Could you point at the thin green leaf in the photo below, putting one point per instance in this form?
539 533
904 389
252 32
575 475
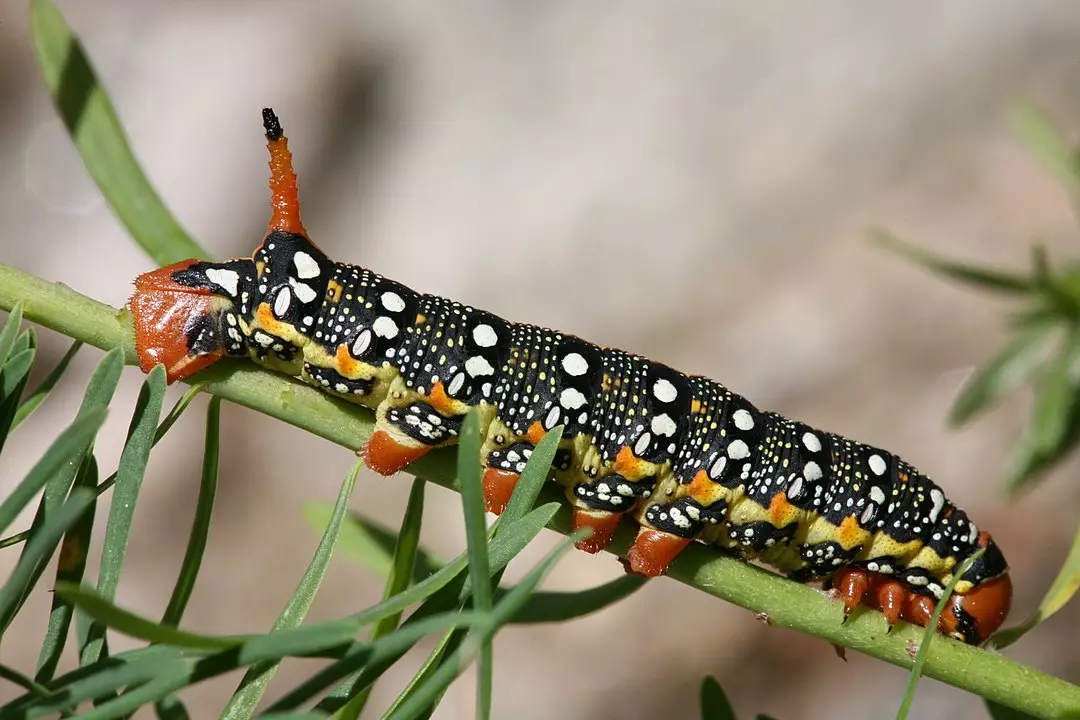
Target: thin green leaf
1013 366
98 136
1061 591
714 702
1054 421
986 278
449 643
100 684
401 573
14 676
478 638
929 634
1000 712
166 425
252 687
451 592
41 392
10 331
1047 145
368 543
200 524
171 708
129 477
547 607
536 472
69 445
13 378
15 539
105 612
15 371
41 546
73 550
156 676
469 472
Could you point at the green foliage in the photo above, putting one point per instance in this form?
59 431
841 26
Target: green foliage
462 601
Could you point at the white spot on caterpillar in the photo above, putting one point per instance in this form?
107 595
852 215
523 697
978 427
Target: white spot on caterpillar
812 442
662 424
717 468
552 418
478 366
743 419
306 267
868 514
304 293
795 488
877 495
385 327
664 391
642 444
227 279
484 335
737 450
571 399
456 384
361 343
812 471
575 365
877 464
282 301
392 301
938 499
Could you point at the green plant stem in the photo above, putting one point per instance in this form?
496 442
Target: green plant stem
784 603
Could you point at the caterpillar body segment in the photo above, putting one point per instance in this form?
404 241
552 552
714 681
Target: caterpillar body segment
683 456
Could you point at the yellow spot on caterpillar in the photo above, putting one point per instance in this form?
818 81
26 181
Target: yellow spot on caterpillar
421 318
333 291
695 406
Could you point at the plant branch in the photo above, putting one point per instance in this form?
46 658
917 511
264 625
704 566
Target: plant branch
778 601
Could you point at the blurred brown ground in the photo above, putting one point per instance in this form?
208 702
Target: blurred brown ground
690 181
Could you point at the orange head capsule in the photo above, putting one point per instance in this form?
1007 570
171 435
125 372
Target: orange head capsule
177 312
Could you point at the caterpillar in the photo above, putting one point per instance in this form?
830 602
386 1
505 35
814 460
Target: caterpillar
684 456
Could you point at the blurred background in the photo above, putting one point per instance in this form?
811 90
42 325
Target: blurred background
691 181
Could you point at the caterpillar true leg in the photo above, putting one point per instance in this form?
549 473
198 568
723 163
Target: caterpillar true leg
683 456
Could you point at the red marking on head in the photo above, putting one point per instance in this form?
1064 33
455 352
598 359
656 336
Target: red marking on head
986 605
603 526
284 194
653 551
386 456
162 310
498 487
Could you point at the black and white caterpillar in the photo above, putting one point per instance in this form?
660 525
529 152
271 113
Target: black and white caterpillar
682 455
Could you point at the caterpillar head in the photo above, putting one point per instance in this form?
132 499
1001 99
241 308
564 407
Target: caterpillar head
976 614
185 315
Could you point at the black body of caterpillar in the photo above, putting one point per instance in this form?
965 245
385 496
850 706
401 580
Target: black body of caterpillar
682 455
